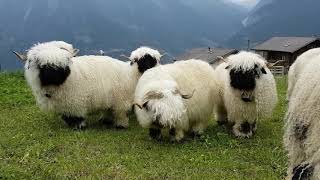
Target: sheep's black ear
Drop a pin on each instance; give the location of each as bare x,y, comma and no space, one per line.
145,105
263,71
146,62
51,75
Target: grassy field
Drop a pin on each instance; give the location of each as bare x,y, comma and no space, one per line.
35,144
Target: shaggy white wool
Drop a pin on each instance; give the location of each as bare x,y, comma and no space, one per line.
190,75
48,55
169,108
95,84
298,66
301,138
231,107
245,61
58,44
142,51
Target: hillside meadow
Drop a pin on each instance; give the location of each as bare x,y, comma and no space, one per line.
37,145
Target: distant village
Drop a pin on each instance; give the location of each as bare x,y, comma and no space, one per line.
274,49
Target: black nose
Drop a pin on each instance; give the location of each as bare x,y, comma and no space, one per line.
246,99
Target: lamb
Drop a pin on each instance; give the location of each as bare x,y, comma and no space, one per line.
247,92
302,126
177,98
76,87
297,67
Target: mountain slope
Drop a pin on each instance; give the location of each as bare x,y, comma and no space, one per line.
115,25
278,18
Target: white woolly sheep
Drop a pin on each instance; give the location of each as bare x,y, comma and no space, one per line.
297,67
160,98
75,87
247,91
302,128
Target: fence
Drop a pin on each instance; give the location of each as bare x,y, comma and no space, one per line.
279,70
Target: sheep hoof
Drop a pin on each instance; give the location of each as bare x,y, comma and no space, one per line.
196,134
302,172
222,123
121,127
173,138
245,130
155,133
107,121
80,126
74,122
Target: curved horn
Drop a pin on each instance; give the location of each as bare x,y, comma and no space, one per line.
185,96
122,55
22,57
136,104
75,52
164,54
154,95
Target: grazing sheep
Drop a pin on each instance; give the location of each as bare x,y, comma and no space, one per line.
301,138
247,91
164,106
75,87
297,67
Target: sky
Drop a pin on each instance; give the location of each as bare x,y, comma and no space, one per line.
245,3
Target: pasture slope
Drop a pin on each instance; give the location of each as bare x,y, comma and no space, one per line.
35,144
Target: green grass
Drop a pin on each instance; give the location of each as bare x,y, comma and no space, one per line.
38,145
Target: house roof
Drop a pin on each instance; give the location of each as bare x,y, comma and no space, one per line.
205,55
285,44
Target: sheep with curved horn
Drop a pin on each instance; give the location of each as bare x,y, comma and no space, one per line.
178,98
75,87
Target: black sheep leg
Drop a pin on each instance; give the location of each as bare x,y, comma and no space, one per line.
303,172
74,122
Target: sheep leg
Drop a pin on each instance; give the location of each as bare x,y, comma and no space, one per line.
121,121
176,135
108,117
221,116
155,133
198,128
293,142
303,171
179,135
74,122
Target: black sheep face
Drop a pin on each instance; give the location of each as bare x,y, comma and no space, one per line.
245,80
145,63
52,75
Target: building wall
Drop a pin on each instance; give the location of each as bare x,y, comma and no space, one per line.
289,58
315,44
273,56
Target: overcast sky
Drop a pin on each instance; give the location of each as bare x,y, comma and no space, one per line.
246,3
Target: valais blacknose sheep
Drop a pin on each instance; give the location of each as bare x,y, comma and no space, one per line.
297,67
302,129
247,91
75,87
176,98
